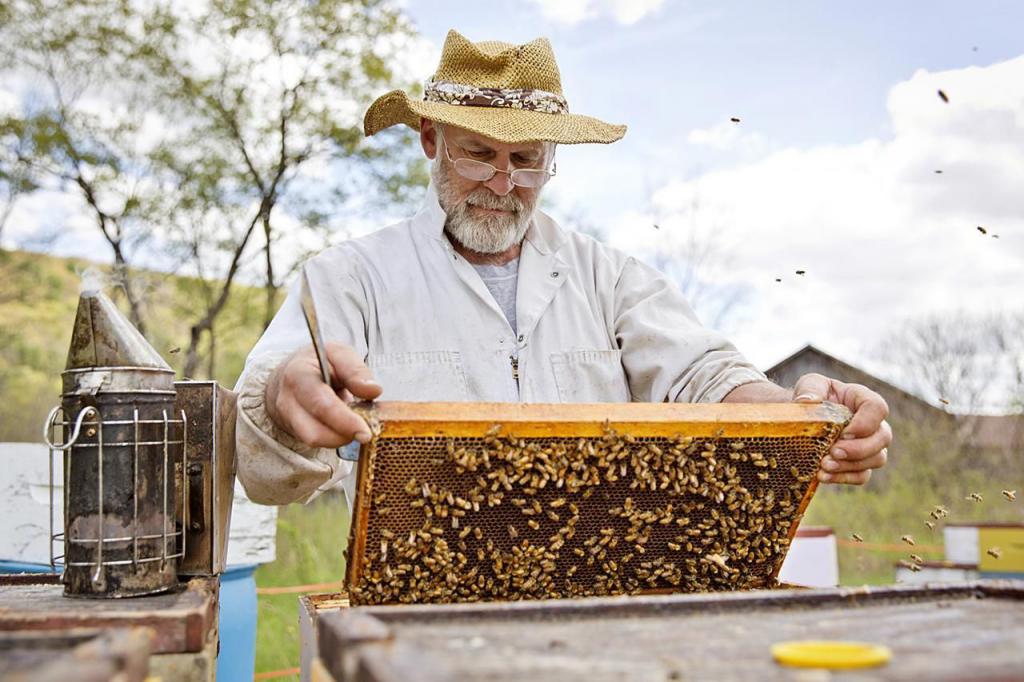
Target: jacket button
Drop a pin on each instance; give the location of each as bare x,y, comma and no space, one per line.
554,274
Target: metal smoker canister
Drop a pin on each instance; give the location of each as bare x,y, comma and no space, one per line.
122,446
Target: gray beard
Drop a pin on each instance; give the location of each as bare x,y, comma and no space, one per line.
481,233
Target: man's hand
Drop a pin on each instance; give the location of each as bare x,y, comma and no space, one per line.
863,446
299,402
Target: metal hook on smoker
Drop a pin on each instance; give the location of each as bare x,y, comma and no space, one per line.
50,418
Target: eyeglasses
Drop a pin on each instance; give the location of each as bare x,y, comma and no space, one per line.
481,171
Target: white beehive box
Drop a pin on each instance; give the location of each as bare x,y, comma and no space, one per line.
812,560
25,508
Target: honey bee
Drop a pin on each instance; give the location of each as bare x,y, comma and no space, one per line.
532,523
717,560
910,564
930,524
916,559
994,552
909,539
1010,495
512,532
856,537
975,496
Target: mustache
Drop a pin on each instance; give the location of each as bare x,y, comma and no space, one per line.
484,198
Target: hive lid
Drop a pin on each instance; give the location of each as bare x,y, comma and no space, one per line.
103,337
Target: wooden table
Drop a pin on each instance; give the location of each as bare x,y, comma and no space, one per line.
181,625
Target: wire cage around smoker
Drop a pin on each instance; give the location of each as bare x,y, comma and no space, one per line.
120,536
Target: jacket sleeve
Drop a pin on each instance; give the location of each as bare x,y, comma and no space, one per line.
273,466
668,355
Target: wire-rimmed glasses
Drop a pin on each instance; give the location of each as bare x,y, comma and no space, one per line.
481,171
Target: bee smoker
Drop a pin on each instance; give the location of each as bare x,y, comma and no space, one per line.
125,464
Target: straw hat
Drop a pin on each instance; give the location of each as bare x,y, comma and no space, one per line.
510,93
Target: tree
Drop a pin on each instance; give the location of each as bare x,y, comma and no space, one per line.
692,252
968,362
60,140
251,111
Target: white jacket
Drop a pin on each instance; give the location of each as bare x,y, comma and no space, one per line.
594,324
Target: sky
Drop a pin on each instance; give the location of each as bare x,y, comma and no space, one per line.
831,169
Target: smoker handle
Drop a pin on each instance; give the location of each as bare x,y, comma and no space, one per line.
51,419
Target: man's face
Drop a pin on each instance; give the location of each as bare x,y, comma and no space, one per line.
483,216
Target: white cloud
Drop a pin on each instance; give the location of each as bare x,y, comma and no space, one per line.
572,12
881,235
729,136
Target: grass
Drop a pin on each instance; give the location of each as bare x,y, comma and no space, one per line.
310,540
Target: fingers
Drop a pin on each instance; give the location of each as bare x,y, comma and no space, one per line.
311,431
869,411
811,388
847,449
850,478
303,405
351,373
875,461
323,404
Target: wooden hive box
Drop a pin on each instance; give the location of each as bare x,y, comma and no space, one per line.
507,501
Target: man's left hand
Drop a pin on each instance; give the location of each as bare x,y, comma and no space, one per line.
864,443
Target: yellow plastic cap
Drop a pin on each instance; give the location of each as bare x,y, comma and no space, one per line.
830,654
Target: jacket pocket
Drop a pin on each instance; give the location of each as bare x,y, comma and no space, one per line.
590,376
421,376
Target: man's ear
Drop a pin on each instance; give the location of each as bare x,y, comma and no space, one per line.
428,138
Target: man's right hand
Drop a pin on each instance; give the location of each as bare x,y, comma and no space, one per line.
299,402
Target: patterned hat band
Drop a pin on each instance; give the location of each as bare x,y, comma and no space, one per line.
448,92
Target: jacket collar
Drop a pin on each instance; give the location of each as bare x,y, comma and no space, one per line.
544,234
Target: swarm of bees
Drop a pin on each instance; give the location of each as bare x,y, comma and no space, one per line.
507,518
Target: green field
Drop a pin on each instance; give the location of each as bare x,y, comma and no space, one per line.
310,540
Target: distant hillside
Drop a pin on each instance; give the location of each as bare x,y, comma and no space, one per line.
38,299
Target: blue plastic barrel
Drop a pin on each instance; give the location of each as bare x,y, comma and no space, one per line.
236,659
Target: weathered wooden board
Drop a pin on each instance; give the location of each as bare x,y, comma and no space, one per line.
942,632
182,621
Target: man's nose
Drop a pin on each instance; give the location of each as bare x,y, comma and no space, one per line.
500,184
